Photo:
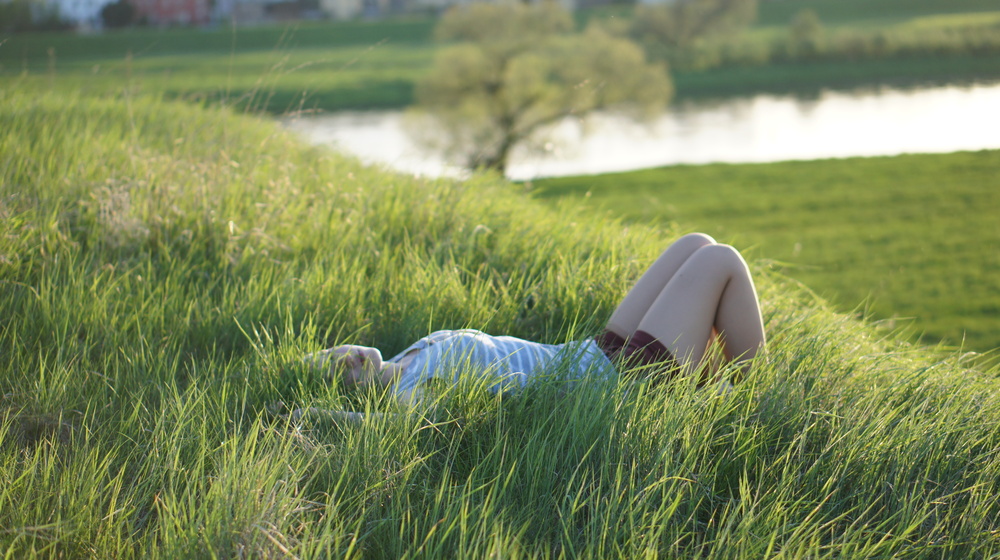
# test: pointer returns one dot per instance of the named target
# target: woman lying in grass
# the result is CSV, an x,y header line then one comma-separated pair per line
x,y
697,291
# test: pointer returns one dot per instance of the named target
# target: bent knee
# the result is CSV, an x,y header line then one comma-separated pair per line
x,y
721,254
697,238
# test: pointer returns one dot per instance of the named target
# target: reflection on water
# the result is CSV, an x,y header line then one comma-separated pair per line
x,y
750,129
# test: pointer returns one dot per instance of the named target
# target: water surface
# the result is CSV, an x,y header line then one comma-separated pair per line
x,y
762,128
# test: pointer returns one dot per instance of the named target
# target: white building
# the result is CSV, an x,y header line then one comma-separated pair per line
x,y
239,11
341,9
351,9
80,12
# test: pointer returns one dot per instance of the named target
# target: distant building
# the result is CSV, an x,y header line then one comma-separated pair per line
x,y
259,11
351,9
239,11
87,13
173,12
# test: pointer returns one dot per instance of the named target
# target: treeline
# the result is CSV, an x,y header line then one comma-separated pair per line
x,y
807,40
17,16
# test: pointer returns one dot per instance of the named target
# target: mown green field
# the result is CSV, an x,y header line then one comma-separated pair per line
x,y
366,65
165,266
276,68
911,239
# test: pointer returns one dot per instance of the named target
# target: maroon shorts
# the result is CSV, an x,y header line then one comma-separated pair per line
x,y
642,350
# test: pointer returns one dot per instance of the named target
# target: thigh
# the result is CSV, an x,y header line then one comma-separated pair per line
x,y
630,312
714,284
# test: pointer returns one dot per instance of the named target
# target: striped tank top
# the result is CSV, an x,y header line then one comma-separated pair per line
x,y
502,363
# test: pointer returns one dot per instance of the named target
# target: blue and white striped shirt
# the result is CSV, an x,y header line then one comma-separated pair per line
x,y
501,362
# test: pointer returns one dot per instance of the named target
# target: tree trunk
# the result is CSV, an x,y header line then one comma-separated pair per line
x,y
497,161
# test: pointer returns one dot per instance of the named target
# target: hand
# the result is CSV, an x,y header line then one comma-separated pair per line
x,y
352,364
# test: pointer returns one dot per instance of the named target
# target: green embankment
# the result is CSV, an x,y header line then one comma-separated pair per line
x,y
913,237
164,266
867,12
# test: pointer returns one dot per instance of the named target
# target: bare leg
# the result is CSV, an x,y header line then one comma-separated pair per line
x,y
626,318
711,289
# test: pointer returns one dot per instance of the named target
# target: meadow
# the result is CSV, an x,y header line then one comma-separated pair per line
x,y
910,240
165,266
276,69
166,259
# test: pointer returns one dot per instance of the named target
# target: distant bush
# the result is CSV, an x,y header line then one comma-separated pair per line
x,y
26,15
14,16
806,32
678,24
118,14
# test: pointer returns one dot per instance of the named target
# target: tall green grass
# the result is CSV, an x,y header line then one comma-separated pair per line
x,y
163,268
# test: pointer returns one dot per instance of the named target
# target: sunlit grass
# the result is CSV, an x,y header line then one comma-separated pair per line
x,y
164,267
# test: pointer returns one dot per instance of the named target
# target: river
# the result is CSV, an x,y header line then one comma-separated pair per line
x,y
761,128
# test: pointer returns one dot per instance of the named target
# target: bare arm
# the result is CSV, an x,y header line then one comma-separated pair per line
x,y
412,399
343,417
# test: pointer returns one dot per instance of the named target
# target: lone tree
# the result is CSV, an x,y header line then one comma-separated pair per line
x,y
680,23
516,69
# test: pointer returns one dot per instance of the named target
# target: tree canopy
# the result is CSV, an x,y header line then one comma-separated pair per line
x,y
516,69
118,14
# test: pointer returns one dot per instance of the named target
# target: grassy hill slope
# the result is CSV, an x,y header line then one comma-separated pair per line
x,y
164,267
